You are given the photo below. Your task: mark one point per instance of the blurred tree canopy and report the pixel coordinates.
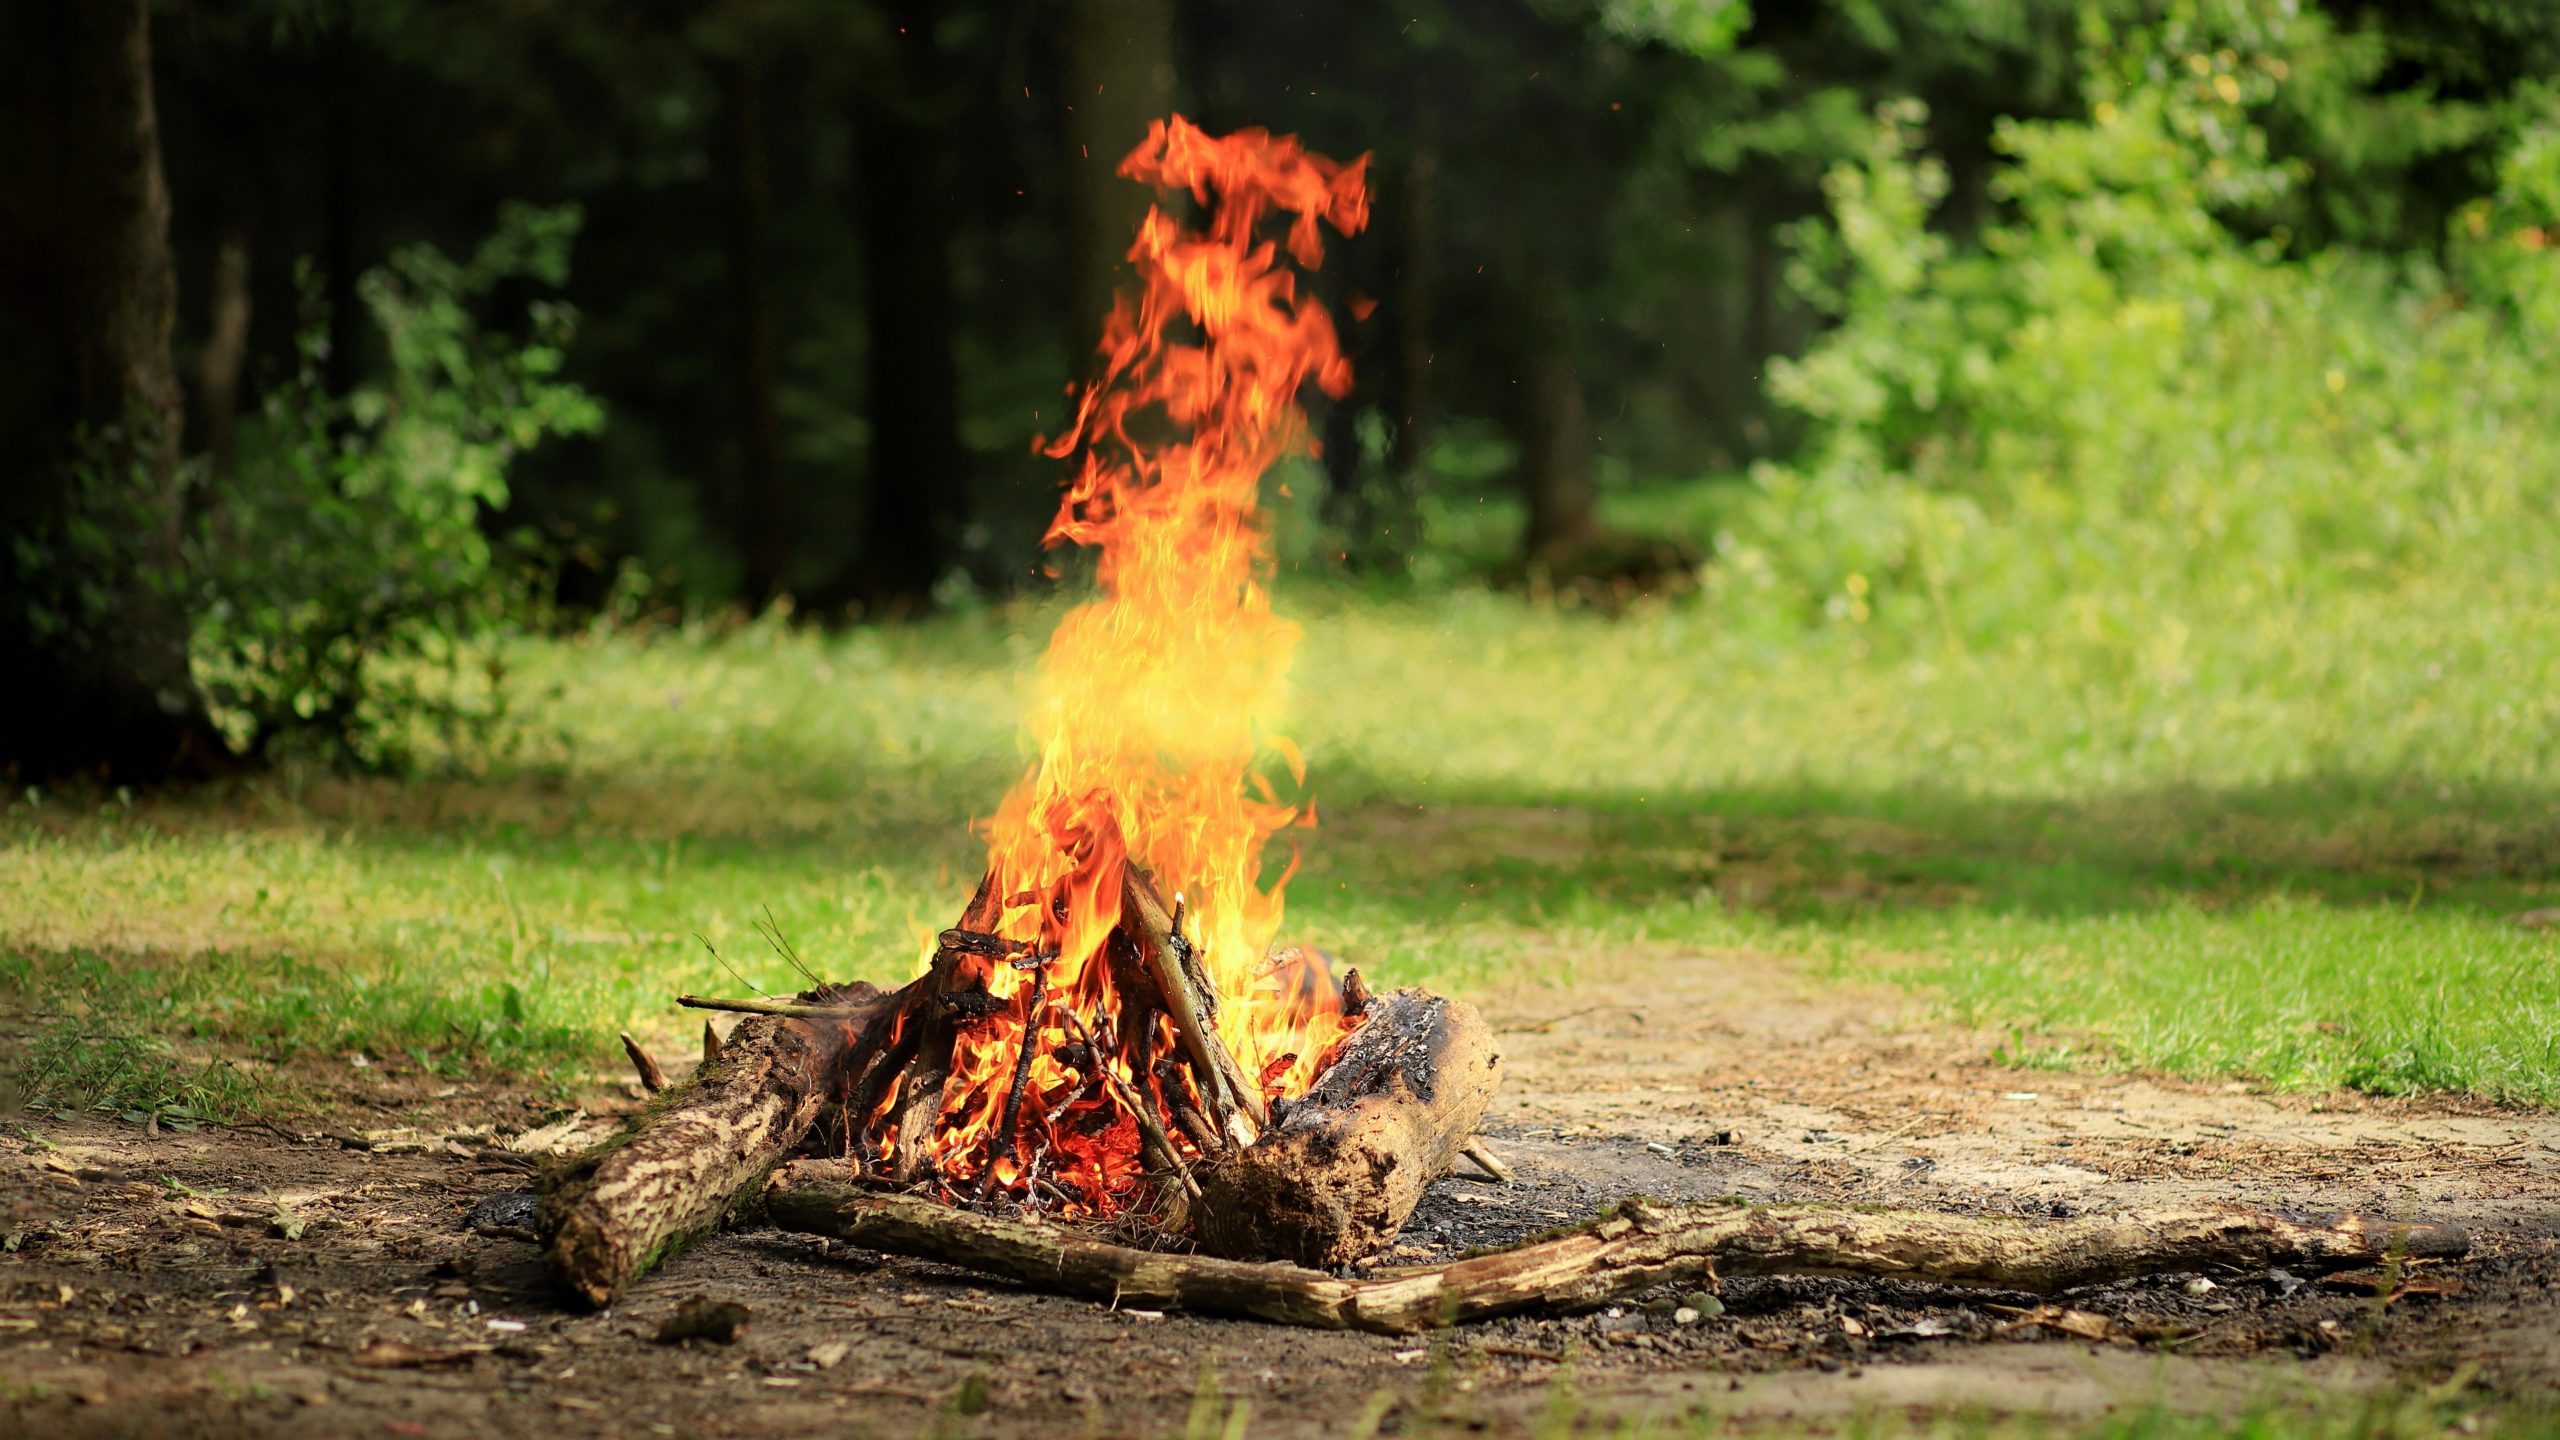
(817, 271)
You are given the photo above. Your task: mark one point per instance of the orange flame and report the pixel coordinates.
(1154, 697)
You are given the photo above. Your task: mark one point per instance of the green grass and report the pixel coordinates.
(2281, 845)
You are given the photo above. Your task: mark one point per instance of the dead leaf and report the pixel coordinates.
(2081, 1323)
(544, 1139)
(385, 1354)
(829, 1355)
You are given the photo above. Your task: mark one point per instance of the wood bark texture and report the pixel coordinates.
(1342, 1166)
(610, 1214)
(1637, 1247)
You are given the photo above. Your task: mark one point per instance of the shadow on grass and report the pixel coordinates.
(2318, 933)
(1814, 855)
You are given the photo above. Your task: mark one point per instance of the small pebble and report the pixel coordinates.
(2200, 1286)
(1684, 1316)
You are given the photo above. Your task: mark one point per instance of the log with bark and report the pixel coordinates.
(1342, 1166)
(1638, 1246)
(611, 1213)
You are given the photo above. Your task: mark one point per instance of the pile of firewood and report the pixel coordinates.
(1327, 1180)
(1320, 1181)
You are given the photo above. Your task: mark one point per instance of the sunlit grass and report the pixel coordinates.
(2279, 845)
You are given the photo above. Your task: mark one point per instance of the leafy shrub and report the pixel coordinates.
(2122, 403)
(352, 594)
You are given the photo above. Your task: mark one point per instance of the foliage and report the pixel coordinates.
(2121, 404)
(2506, 245)
(105, 553)
(352, 592)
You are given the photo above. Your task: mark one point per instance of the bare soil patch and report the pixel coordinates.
(368, 1272)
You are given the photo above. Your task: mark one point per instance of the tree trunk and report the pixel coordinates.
(1549, 422)
(763, 499)
(225, 355)
(1377, 509)
(93, 414)
(1417, 279)
(1118, 75)
(1638, 1247)
(341, 175)
(916, 481)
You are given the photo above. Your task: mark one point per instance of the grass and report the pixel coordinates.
(2281, 845)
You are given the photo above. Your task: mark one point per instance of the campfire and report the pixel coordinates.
(1108, 1031)
(1108, 1035)
(1108, 1016)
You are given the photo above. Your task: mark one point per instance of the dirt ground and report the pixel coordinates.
(371, 1275)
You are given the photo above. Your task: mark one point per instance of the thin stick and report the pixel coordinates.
(1223, 1085)
(1196, 1125)
(1150, 1128)
(790, 1008)
(1083, 1088)
(1006, 1128)
(652, 1079)
(1486, 1160)
(979, 942)
(725, 965)
(784, 948)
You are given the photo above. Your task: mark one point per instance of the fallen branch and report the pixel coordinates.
(613, 1212)
(1637, 1247)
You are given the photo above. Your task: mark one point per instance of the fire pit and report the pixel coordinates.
(1108, 1037)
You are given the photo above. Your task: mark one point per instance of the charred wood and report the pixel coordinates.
(1341, 1167)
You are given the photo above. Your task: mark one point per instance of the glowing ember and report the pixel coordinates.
(1154, 697)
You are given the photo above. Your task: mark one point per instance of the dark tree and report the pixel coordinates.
(915, 496)
(1550, 421)
(1117, 73)
(93, 634)
(763, 507)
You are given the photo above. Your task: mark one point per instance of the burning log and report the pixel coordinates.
(928, 1030)
(1174, 982)
(1341, 1167)
(613, 1212)
(1637, 1247)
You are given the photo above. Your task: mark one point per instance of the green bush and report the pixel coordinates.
(2123, 405)
(351, 591)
